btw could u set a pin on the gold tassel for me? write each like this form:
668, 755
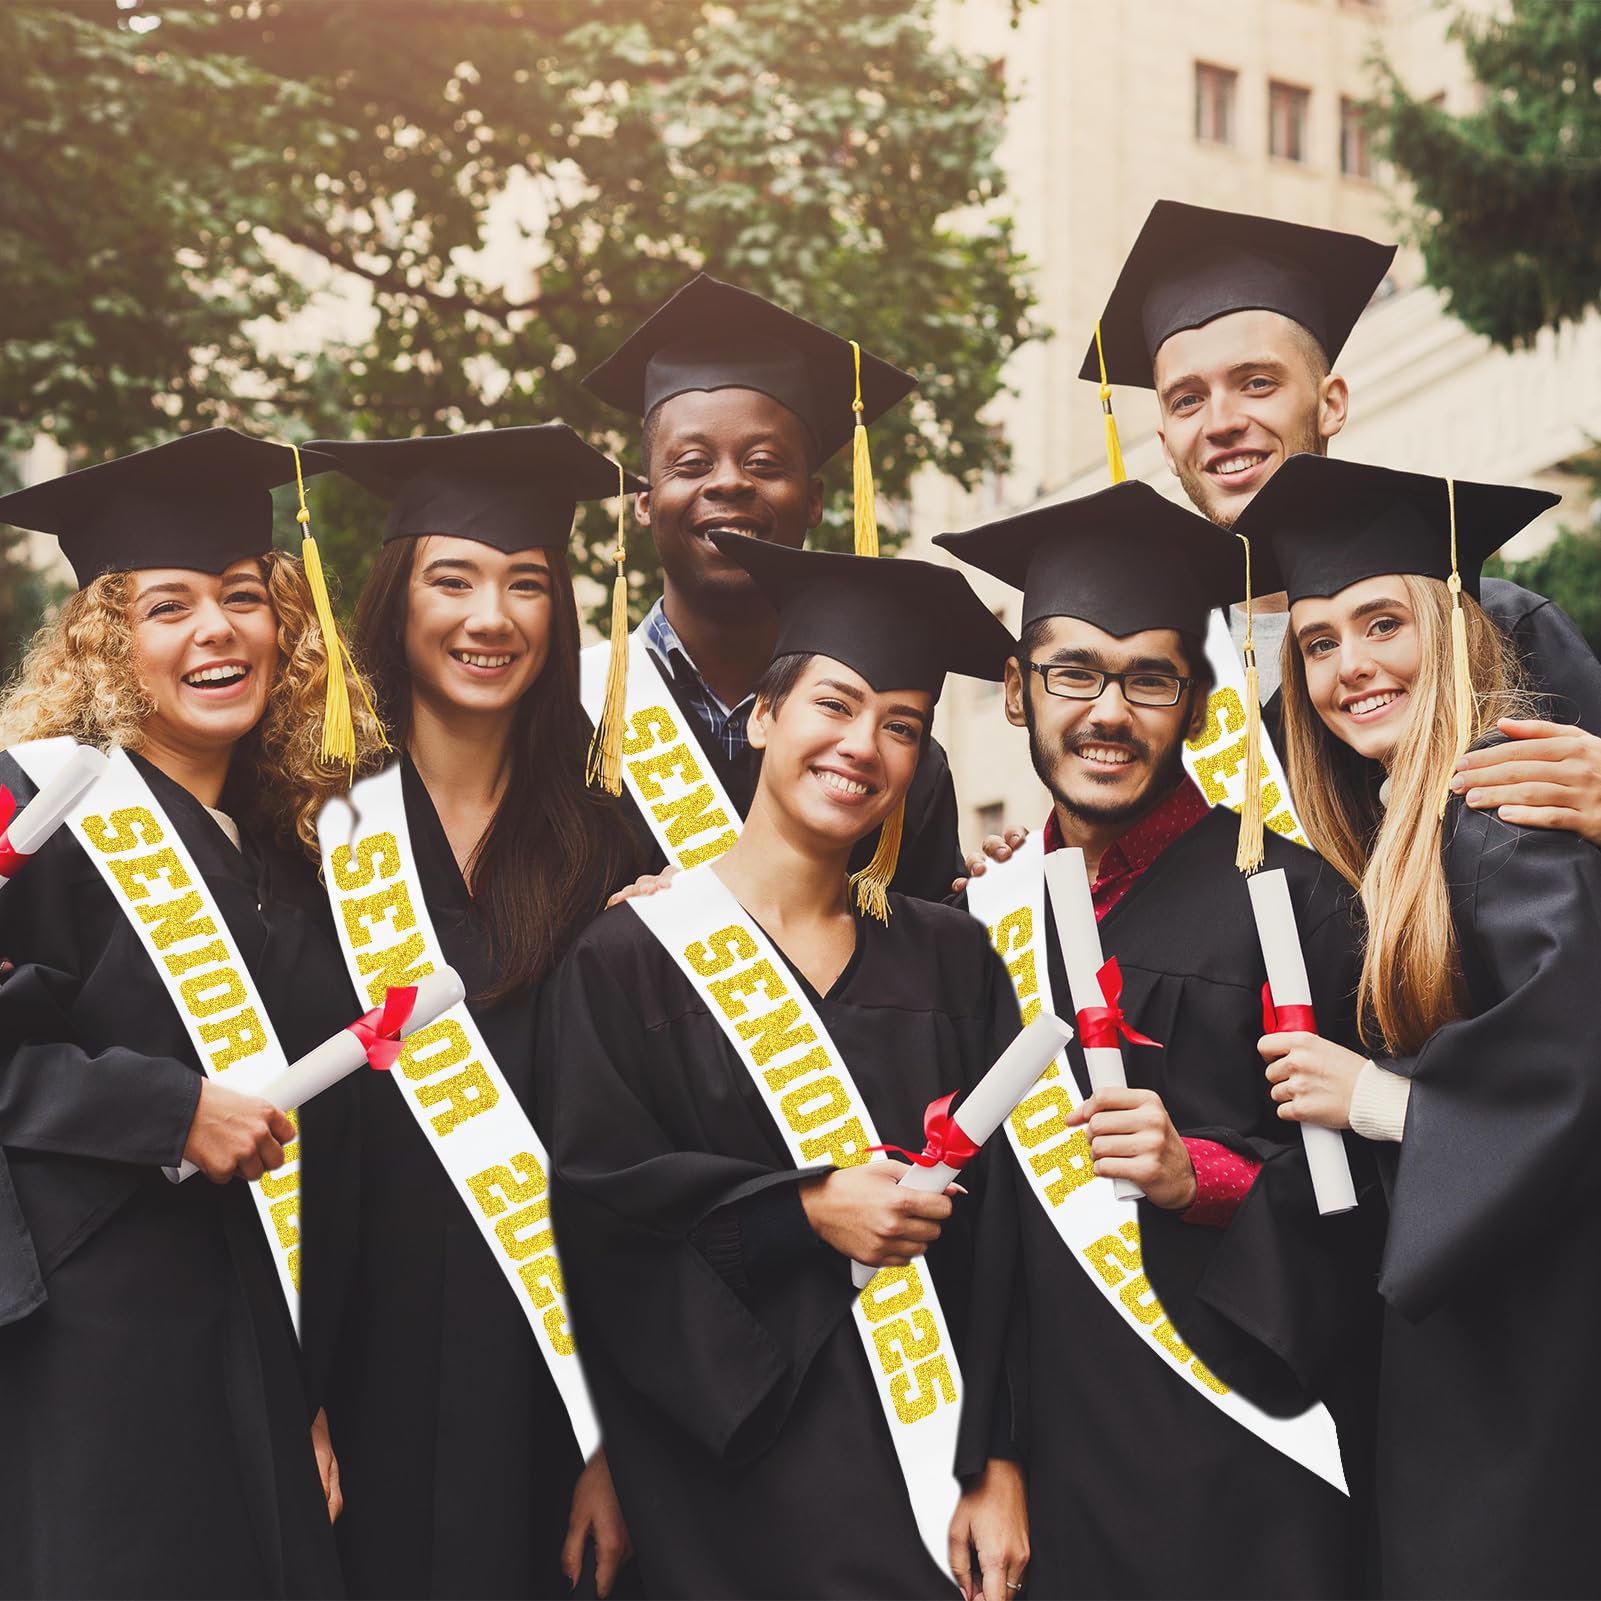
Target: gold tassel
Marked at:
338, 725
1114, 448
865, 503
1248, 855
1462, 682
872, 883
605, 765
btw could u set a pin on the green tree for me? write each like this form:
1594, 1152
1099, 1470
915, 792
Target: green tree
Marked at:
1507, 199
833, 155
1568, 570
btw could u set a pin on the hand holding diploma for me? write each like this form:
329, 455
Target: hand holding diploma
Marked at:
372, 1040
954, 1141
1095, 985
22, 833
1289, 1008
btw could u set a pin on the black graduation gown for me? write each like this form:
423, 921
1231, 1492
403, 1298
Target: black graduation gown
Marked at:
1562, 669
930, 857
1490, 1395
457, 1459
1138, 1486
742, 1425
153, 1414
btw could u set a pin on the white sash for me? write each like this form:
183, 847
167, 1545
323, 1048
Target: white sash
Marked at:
152, 877
806, 1084
1215, 758
1009, 898
673, 783
448, 1079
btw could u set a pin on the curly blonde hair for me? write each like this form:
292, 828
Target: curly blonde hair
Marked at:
79, 678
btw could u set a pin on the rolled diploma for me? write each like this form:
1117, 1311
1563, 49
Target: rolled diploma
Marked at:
1286, 976
1079, 935
989, 1103
339, 1056
44, 814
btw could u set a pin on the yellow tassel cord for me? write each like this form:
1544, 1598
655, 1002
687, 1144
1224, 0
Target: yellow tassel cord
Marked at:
1461, 680
1114, 448
864, 500
872, 883
605, 766
338, 726
1248, 856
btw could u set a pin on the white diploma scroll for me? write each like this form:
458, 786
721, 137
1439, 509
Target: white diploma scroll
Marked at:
1286, 977
1079, 935
338, 1057
989, 1103
46, 812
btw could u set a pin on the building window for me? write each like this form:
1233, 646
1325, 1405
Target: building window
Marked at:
1214, 103
990, 819
1356, 160
1287, 109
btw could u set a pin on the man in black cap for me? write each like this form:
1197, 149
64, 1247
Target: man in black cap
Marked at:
742, 403
1236, 321
717, 1061
1147, 1474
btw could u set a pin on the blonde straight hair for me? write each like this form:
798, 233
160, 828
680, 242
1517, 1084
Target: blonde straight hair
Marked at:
1411, 980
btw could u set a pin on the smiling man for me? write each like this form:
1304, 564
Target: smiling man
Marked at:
742, 403
1147, 1476
1236, 321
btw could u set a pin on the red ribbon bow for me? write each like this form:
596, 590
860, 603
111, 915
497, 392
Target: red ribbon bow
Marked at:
946, 1141
1285, 1019
1101, 1027
379, 1029
10, 860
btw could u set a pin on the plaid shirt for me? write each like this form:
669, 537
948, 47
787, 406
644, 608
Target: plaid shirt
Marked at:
723, 724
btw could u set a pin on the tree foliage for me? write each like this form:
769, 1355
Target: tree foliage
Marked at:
182, 177
1507, 207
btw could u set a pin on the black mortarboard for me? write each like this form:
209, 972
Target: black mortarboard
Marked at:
1125, 559
1319, 525
1191, 264
512, 488
201, 501
901, 623
711, 335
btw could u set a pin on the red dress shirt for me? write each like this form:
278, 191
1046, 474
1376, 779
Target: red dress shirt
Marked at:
1223, 1177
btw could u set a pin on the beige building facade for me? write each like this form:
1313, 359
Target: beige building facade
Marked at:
1253, 109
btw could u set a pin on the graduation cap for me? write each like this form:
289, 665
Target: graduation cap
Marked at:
1191, 264
1125, 559
1320, 525
201, 501
511, 488
1323, 525
901, 624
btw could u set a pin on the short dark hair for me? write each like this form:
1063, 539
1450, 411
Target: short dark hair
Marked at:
1196, 664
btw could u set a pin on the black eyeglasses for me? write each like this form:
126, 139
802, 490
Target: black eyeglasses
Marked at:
1140, 688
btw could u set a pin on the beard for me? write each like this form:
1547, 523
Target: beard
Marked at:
1165, 772
1198, 488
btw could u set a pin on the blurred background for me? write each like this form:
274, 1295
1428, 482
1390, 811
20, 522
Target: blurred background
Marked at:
386, 217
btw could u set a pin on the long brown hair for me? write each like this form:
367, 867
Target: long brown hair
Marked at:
79, 678
555, 848
1411, 982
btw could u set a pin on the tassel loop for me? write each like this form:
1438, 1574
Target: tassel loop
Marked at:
864, 498
872, 883
604, 768
1463, 704
1114, 448
338, 724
